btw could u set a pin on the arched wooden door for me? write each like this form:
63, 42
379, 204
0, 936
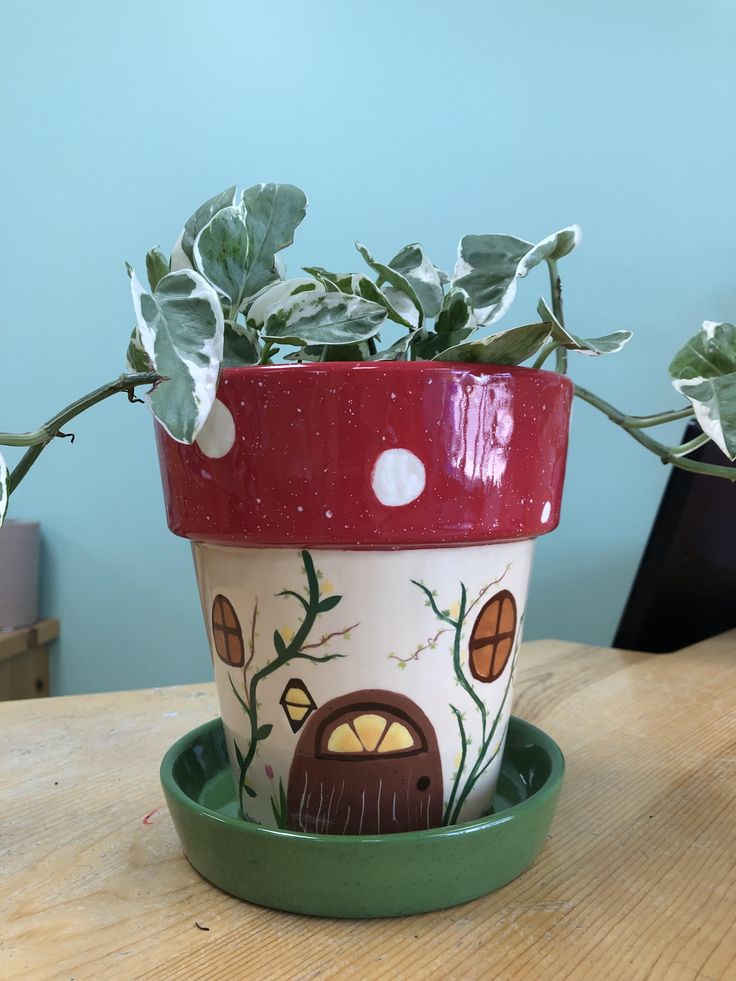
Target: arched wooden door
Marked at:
366, 763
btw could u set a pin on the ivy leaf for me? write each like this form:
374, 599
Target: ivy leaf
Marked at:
704, 371
489, 266
328, 604
236, 250
276, 296
324, 318
457, 313
359, 285
181, 330
263, 732
240, 346
157, 266
221, 253
197, 222
273, 212
506, 347
279, 644
591, 346
397, 351
402, 294
431, 344
416, 268
136, 358
3, 489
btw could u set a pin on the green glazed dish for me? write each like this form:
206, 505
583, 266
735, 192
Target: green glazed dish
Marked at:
361, 876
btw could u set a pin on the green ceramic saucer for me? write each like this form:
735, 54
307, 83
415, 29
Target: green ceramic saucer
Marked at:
372, 875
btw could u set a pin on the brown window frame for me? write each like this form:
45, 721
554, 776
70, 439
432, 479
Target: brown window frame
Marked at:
495, 639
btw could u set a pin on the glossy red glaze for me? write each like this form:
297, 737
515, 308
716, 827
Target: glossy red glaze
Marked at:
303, 470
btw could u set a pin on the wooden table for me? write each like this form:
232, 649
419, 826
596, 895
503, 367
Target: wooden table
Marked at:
24, 660
638, 879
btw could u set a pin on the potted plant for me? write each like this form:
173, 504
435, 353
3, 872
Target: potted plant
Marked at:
363, 511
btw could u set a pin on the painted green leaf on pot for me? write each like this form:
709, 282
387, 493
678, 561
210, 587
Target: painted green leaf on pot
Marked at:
325, 318
704, 371
240, 346
277, 296
181, 329
3, 489
182, 255
508, 347
157, 266
489, 266
136, 358
457, 313
591, 346
400, 292
416, 268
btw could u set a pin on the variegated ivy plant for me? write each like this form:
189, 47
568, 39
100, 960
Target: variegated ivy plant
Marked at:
222, 300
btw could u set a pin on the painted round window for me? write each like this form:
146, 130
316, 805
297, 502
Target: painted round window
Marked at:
226, 632
492, 639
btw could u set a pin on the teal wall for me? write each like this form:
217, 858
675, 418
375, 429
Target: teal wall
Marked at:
403, 121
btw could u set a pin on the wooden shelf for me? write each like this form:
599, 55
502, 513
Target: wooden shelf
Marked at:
24, 660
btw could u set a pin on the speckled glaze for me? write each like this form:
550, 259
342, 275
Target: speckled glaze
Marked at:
299, 456
362, 537
369, 876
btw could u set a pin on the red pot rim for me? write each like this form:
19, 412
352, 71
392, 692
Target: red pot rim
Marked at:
372, 455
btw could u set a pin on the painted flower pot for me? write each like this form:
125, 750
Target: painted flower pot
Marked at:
362, 536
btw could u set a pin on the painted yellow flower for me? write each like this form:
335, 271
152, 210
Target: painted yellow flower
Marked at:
287, 633
326, 587
455, 611
456, 761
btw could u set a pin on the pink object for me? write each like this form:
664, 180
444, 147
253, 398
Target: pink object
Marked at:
297, 455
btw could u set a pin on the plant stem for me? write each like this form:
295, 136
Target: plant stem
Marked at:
555, 285
548, 349
659, 418
40, 438
667, 454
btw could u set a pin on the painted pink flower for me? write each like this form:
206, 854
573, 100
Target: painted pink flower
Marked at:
269, 771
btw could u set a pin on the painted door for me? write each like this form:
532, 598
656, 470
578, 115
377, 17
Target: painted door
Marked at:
366, 763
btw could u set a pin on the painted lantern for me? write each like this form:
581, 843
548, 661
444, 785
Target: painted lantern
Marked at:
362, 536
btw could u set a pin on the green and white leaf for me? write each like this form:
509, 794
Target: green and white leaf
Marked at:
236, 250
324, 318
273, 213
704, 371
181, 330
489, 266
554, 247
400, 292
278, 296
396, 351
221, 253
591, 346
137, 359
359, 284
240, 346
157, 266
508, 347
422, 274
430, 344
182, 255
457, 313
3, 489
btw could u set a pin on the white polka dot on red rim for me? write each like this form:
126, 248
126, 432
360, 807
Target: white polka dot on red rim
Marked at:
398, 477
546, 511
217, 436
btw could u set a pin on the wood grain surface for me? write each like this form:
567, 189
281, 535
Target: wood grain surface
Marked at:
637, 880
